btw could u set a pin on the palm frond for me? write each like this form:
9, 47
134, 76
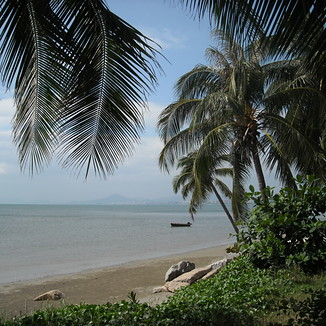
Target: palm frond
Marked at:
176, 117
298, 26
114, 69
286, 134
198, 83
30, 55
177, 147
81, 79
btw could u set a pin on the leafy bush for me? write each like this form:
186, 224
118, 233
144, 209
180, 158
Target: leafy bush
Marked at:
308, 312
123, 313
234, 297
285, 229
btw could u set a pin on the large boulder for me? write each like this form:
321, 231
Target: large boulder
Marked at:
178, 269
174, 285
221, 263
50, 295
193, 275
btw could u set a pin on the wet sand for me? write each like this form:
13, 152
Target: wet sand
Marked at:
101, 285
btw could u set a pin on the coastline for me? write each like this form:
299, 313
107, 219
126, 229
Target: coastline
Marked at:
99, 286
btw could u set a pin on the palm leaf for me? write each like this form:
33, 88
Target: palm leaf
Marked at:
102, 118
82, 75
298, 26
29, 54
176, 117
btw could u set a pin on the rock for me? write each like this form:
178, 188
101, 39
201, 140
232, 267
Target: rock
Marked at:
221, 263
51, 295
187, 278
178, 269
172, 286
216, 267
194, 275
160, 289
210, 274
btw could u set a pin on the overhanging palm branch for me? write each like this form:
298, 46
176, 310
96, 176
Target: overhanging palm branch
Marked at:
81, 78
298, 26
30, 32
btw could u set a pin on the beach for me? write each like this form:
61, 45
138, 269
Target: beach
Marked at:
101, 285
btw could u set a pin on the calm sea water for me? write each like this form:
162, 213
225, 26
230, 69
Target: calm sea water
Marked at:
43, 240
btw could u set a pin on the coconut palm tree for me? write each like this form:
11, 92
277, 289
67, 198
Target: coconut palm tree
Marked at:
80, 75
200, 176
298, 26
238, 106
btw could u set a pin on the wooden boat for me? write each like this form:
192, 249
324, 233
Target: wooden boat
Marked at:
181, 224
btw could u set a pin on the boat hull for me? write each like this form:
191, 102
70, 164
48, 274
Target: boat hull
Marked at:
181, 224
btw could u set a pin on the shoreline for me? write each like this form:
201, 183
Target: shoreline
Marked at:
36, 279
101, 285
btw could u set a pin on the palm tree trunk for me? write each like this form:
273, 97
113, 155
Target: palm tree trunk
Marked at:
225, 209
259, 171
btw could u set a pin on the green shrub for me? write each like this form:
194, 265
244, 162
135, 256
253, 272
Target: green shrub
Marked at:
285, 229
117, 314
308, 312
235, 296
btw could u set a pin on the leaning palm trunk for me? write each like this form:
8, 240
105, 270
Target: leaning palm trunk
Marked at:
227, 212
259, 171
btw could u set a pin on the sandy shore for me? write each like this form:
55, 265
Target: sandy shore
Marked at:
101, 285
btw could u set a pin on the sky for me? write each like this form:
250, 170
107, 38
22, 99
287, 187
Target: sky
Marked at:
183, 42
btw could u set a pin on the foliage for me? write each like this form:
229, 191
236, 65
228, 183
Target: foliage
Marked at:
234, 297
298, 26
284, 229
201, 176
80, 75
123, 313
247, 107
308, 312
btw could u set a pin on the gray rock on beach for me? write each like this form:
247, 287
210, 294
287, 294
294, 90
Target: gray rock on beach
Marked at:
193, 275
216, 267
178, 269
221, 263
50, 295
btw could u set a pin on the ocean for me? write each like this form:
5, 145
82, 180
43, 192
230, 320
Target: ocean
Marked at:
46, 240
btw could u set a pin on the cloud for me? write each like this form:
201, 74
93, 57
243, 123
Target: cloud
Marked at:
151, 115
7, 111
145, 157
8, 154
3, 169
166, 38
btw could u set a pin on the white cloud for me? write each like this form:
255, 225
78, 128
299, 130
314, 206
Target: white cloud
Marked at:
7, 111
8, 168
167, 38
2, 168
151, 115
